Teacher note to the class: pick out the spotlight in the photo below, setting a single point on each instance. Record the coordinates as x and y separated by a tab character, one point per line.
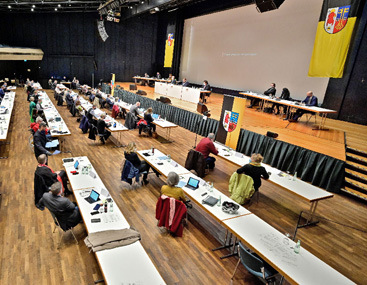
32	9
33	6
59	5
55	9
9	7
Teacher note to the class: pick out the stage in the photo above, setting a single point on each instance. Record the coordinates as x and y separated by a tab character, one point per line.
331	143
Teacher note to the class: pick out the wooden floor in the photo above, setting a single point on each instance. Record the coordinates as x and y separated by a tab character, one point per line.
28	253
330	142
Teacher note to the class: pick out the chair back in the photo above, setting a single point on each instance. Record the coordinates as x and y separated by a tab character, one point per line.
195	160
39	186
252	263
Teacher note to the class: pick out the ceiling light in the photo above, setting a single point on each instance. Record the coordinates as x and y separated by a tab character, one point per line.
32	9
33	6
55	9
59	5
9	7
69	5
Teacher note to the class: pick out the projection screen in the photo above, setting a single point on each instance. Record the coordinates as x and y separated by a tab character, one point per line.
241	49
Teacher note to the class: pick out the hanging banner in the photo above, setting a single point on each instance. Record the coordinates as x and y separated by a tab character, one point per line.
168	56
113	84
102	30
334	31
230	121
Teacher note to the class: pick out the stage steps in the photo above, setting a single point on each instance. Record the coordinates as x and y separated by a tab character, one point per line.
356	173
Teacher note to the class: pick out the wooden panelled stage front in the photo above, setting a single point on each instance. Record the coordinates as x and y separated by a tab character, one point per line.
330	142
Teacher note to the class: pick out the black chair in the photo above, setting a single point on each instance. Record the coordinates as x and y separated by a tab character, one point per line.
40	188
62	230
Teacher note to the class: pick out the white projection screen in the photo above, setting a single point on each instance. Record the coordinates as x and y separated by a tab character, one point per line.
241	49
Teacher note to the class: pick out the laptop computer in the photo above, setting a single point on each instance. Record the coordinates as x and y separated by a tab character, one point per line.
93	197
192	184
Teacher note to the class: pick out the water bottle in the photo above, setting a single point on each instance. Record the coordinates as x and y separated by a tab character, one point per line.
211	186
219	203
153	150
297	247
105	207
114	125
295	176
111	207
169	158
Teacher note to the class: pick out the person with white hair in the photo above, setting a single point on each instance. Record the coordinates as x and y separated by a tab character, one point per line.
206	147
171	190
101	126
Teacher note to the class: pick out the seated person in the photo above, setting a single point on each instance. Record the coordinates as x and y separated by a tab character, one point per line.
101	126
49	176
110	101
173	80
255	170
142	166
270	92
149	119
310	101
206	87
284	96
2	92
143	81
134	109
185	83
171	190
69	100
35	126
90	115
66	212
206	147
39	105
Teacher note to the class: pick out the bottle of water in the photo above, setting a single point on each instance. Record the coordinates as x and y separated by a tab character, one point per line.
297	247
219	203
111	207
295	176
169	158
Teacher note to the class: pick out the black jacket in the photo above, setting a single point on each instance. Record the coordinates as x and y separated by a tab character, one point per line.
101	126
254	171
270	91
149	119
39	141
133	158
195	160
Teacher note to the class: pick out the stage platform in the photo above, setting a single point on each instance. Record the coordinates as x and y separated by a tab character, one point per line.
330	142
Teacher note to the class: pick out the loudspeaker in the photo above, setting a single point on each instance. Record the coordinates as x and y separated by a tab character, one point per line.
141	92
271	135
268	5
133	87
164	100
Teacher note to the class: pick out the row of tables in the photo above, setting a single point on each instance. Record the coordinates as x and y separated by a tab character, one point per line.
55	122
266	241
6	111
188	94
128	264
291	106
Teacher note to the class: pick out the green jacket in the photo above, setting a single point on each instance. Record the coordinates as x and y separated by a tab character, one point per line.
242	187
31	106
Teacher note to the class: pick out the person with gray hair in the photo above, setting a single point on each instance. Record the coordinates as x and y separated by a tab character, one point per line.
101	126
171	190
206	147
66	212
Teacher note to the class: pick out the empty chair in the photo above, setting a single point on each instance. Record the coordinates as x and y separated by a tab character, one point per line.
255	265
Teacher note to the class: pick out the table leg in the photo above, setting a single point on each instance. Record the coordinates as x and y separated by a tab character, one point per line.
321	125
233	251
311	213
225	245
119	141
62	142
168	136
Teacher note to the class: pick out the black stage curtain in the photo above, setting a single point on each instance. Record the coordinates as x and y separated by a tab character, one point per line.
318	169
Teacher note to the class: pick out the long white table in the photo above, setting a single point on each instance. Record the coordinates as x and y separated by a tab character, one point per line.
304	190
278	250
121	265
6	110
118	128
55	122
270	244
177	91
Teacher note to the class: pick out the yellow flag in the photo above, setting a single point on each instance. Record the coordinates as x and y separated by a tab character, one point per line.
168	56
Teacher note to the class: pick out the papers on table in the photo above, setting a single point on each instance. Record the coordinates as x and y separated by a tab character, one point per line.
56	152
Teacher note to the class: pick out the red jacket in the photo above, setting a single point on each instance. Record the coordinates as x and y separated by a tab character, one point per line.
206	147
162	215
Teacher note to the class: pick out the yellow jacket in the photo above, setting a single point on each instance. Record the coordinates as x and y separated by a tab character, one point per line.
242	187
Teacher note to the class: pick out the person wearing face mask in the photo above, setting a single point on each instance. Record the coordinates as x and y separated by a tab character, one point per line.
40	140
